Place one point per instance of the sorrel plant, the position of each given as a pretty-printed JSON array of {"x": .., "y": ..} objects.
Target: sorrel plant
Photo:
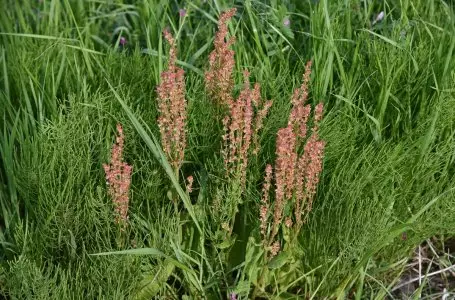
[
  {"x": 118, "y": 179},
  {"x": 172, "y": 109}
]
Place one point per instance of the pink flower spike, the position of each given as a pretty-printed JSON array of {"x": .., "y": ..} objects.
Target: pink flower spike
[
  {"x": 218, "y": 79},
  {"x": 118, "y": 179},
  {"x": 122, "y": 41},
  {"x": 286, "y": 22},
  {"x": 182, "y": 13},
  {"x": 172, "y": 108}
]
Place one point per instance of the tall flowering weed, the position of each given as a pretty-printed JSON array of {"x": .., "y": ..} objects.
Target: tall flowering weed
[
  {"x": 218, "y": 79},
  {"x": 242, "y": 122},
  {"x": 296, "y": 175},
  {"x": 118, "y": 178},
  {"x": 241, "y": 128},
  {"x": 289, "y": 185},
  {"x": 172, "y": 108}
]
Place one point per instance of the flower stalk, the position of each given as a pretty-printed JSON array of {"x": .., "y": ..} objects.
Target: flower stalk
[
  {"x": 172, "y": 109},
  {"x": 296, "y": 175},
  {"x": 118, "y": 179},
  {"x": 218, "y": 79}
]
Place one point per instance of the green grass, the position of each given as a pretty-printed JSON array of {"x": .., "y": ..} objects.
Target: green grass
[{"x": 65, "y": 82}]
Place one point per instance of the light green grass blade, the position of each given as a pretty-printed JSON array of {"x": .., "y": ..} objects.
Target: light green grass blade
[
  {"x": 145, "y": 251},
  {"x": 140, "y": 251},
  {"x": 39, "y": 36},
  {"x": 384, "y": 38}
]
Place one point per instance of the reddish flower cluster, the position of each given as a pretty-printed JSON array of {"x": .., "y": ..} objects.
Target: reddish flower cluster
[
  {"x": 275, "y": 248},
  {"x": 240, "y": 126},
  {"x": 265, "y": 200},
  {"x": 172, "y": 108},
  {"x": 118, "y": 176},
  {"x": 189, "y": 185},
  {"x": 296, "y": 176},
  {"x": 311, "y": 167},
  {"x": 218, "y": 78},
  {"x": 284, "y": 173},
  {"x": 245, "y": 114}
]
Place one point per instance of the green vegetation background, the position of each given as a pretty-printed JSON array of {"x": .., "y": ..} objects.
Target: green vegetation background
[{"x": 388, "y": 179}]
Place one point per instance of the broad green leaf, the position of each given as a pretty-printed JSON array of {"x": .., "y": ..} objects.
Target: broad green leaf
[
  {"x": 151, "y": 284},
  {"x": 278, "y": 261},
  {"x": 226, "y": 243}
]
